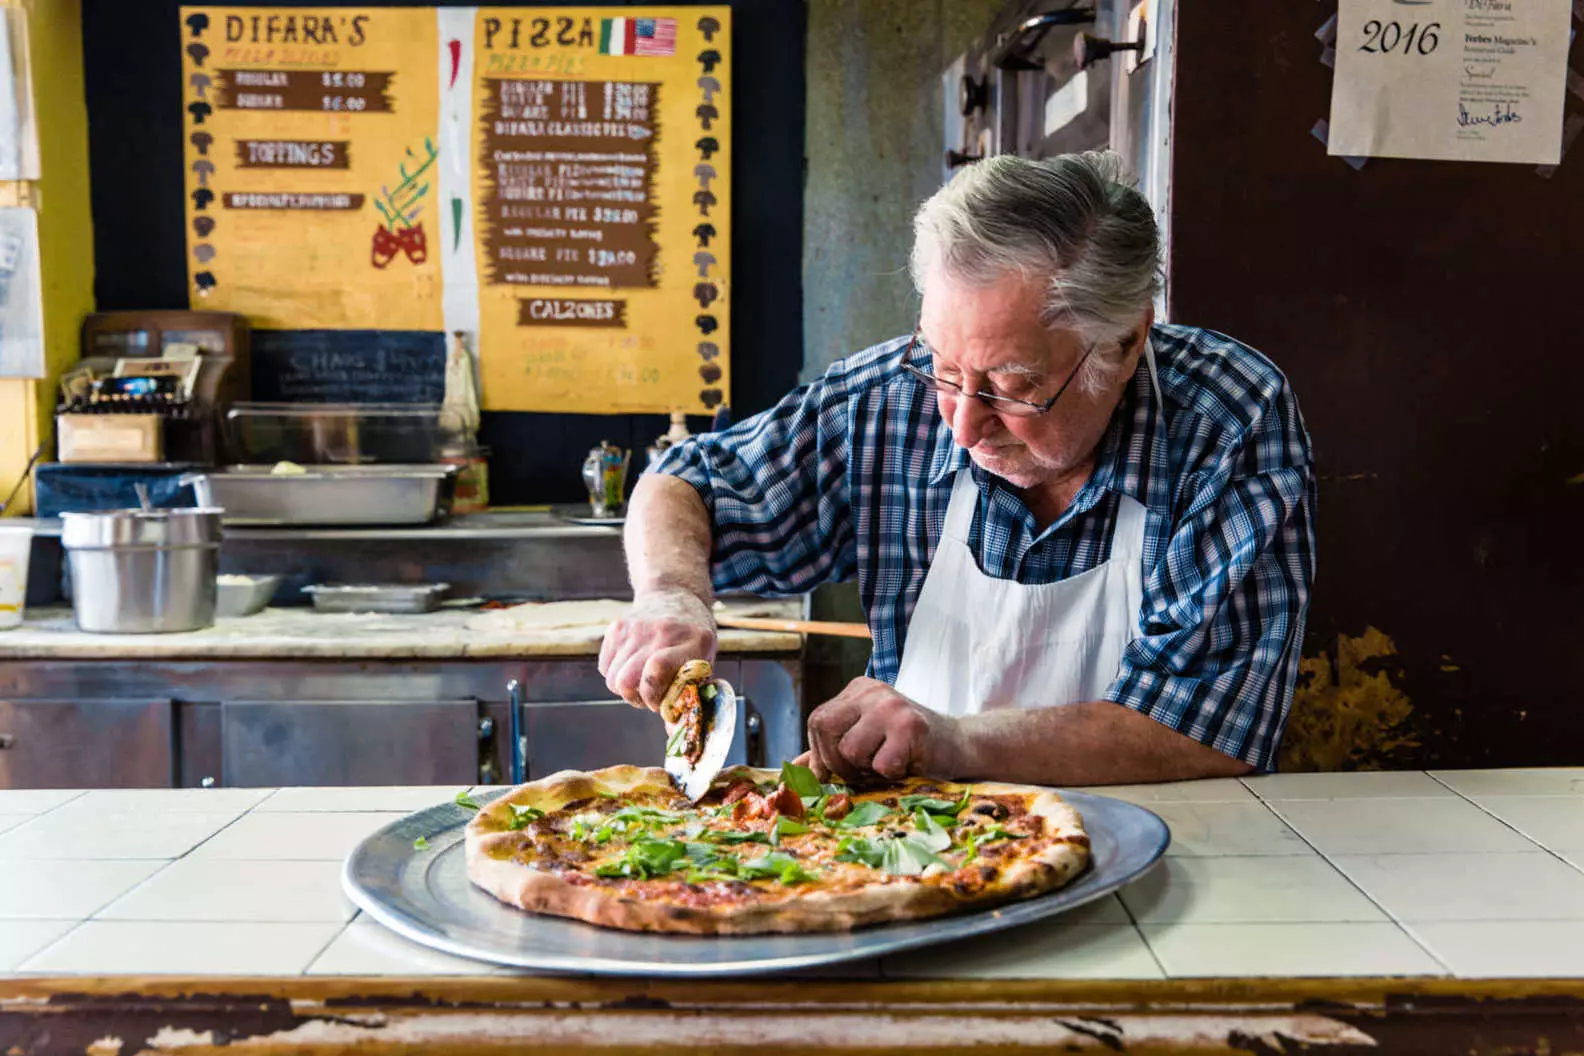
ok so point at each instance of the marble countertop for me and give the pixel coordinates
(571, 628)
(1438, 875)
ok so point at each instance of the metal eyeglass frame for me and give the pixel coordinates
(1000, 404)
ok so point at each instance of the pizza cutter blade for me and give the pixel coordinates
(720, 727)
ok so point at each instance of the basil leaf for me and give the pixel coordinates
(785, 826)
(908, 856)
(833, 790)
(859, 850)
(420, 844)
(991, 833)
(935, 837)
(949, 807)
(777, 865)
(800, 779)
(465, 800)
(707, 691)
(705, 876)
(522, 817)
(674, 744)
(869, 812)
(736, 837)
(645, 860)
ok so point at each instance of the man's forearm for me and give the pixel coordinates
(1092, 743)
(668, 538)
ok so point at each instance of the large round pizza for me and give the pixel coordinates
(767, 851)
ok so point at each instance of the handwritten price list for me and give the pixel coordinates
(318, 90)
(570, 169)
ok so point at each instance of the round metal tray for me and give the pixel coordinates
(426, 896)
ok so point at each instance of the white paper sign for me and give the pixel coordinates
(1458, 80)
(21, 296)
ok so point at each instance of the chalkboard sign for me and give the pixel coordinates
(348, 366)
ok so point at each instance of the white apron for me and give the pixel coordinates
(978, 643)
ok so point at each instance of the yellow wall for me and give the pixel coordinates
(65, 228)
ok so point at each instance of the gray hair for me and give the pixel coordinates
(1074, 220)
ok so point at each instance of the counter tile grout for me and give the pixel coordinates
(1396, 921)
(1558, 855)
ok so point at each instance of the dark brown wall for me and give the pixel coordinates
(1427, 314)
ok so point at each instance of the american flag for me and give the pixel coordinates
(638, 36)
(655, 36)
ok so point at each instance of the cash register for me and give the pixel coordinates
(145, 404)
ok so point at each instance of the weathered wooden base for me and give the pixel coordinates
(234, 1017)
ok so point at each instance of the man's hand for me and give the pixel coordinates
(648, 644)
(870, 728)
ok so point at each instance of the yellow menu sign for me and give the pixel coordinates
(555, 181)
(310, 163)
(601, 208)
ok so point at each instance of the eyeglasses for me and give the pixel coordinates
(1006, 405)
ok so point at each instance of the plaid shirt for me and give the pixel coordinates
(852, 474)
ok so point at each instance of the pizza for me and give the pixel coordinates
(682, 710)
(768, 851)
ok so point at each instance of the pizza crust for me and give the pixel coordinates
(798, 909)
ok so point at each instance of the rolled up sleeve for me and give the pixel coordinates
(1224, 610)
(775, 486)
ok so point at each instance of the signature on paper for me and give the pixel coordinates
(1501, 114)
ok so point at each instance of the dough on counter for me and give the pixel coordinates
(549, 615)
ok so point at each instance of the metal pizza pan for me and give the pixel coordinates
(425, 895)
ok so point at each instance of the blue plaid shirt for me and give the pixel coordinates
(851, 475)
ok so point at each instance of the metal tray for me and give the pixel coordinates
(376, 597)
(426, 896)
(328, 495)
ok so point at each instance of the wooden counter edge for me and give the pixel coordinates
(381, 1014)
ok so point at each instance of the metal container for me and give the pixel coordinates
(376, 597)
(244, 595)
(336, 433)
(328, 495)
(143, 571)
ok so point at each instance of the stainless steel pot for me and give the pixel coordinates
(143, 571)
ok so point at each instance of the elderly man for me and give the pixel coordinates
(1084, 541)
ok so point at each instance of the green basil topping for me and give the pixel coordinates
(933, 835)
(707, 691)
(777, 865)
(735, 837)
(800, 779)
(785, 826)
(989, 834)
(895, 855)
(951, 808)
(869, 812)
(645, 860)
(674, 744)
(465, 800)
(521, 817)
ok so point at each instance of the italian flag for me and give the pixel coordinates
(618, 36)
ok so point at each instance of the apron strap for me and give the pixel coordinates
(1149, 360)
(960, 510)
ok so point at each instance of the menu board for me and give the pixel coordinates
(310, 152)
(553, 181)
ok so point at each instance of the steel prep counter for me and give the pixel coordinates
(1381, 912)
(296, 697)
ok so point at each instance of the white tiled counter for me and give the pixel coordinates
(1426, 879)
